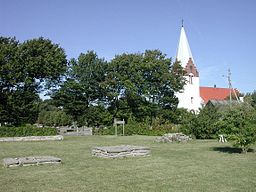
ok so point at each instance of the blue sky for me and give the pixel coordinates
(221, 33)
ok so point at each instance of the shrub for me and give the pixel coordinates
(96, 116)
(54, 118)
(201, 125)
(245, 137)
(26, 131)
(239, 124)
(135, 128)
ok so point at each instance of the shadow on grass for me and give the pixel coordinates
(230, 149)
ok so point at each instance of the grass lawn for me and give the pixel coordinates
(202, 165)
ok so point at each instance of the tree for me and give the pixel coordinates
(98, 116)
(253, 102)
(239, 124)
(71, 97)
(27, 68)
(251, 99)
(50, 115)
(44, 62)
(82, 86)
(147, 81)
(9, 75)
(206, 119)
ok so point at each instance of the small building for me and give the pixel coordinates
(221, 104)
(216, 93)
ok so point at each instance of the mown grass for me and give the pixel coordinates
(202, 165)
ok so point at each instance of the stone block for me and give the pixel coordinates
(120, 151)
(27, 161)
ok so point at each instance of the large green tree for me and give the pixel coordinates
(147, 81)
(83, 85)
(137, 85)
(26, 69)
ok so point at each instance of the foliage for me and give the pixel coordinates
(144, 82)
(27, 130)
(239, 124)
(20, 106)
(51, 115)
(54, 118)
(135, 128)
(131, 85)
(201, 125)
(251, 99)
(25, 69)
(44, 61)
(187, 121)
(253, 96)
(206, 119)
(71, 98)
(83, 85)
(96, 116)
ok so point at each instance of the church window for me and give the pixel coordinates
(190, 80)
(192, 100)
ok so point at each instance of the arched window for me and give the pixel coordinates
(190, 78)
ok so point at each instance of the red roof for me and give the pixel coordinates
(212, 93)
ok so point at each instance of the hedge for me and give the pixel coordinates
(139, 129)
(26, 131)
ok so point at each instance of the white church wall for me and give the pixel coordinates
(190, 98)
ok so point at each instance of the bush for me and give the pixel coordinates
(96, 116)
(239, 124)
(28, 130)
(135, 128)
(54, 118)
(245, 137)
(201, 125)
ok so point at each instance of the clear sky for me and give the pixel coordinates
(221, 33)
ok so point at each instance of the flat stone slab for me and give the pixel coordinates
(33, 138)
(27, 161)
(120, 151)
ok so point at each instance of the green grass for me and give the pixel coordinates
(202, 165)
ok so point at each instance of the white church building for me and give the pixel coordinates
(193, 96)
(189, 98)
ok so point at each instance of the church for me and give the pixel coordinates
(193, 96)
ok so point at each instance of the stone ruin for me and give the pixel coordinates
(75, 131)
(32, 138)
(173, 137)
(27, 161)
(120, 151)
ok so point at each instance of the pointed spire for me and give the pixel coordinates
(184, 52)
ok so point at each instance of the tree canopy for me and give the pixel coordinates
(146, 81)
(135, 85)
(25, 69)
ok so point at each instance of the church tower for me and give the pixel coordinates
(189, 97)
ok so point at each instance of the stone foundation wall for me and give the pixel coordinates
(120, 151)
(32, 138)
(27, 161)
(173, 137)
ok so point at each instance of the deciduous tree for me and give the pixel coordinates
(25, 69)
